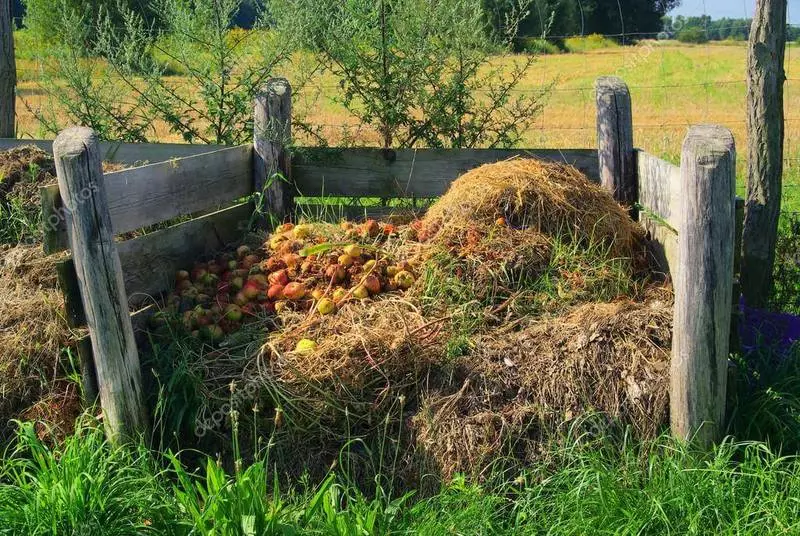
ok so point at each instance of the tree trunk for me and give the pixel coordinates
(8, 70)
(765, 132)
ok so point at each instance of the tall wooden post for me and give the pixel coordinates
(703, 284)
(8, 71)
(615, 139)
(765, 133)
(80, 181)
(271, 160)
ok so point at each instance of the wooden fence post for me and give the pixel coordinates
(272, 135)
(80, 181)
(703, 284)
(615, 139)
(8, 70)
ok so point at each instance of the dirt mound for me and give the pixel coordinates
(553, 199)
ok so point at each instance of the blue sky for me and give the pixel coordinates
(729, 8)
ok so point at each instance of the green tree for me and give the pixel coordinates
(47, 21)
(417, 71)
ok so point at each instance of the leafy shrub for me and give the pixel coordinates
(418, 72)
(534, 45)
(588, 43)
(693, 34)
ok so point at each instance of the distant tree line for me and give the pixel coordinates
(551, 17)
(703, 29)
(624, 20)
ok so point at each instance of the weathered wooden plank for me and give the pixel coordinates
(139, 321)
(54, 234)
(703, 285)
(70, 288)
(146, 195)
(80, 179)
(659, 196)
(126, 153)
(615, 139)
(408, 172)
(149, 262)
(272, 131)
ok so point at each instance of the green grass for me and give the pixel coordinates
(19, 222)
(598, 486)
(589, 43)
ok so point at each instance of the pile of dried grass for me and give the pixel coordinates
(384, 364)
(550, 198)
(610, 358)
(367, 356)
(23, 171)
(32, 328)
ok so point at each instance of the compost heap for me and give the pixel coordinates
(32, 327)
(520, 303)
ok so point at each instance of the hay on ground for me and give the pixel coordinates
(23, 170)
(551, 198)
(32, 328)
(609, 358)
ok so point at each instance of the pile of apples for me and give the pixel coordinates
(293, 270)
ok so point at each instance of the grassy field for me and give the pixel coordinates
(673, 86)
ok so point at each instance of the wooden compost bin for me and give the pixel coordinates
(688, 211)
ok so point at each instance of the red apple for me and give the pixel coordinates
(279, 278)
(275, 292)
(294, 291)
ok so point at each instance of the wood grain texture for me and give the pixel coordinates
(615, 139)
(71, 289)
(126, 153)
(147, 195)
(703, 284)
(659, 187)
(139, 321)
(272, 135)
(149, 262)
(8, 72)
(54, 228)
(765, 140)
(415, 173)
(97, 264)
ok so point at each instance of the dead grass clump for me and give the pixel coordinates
(366, 357)
(32, 327)
(502, 256)
(554, 199)
(23, 170)
(611, 358)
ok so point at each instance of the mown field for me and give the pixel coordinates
(673, 86)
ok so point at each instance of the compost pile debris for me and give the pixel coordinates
(369, 336)
(23, 170)
(32, 333)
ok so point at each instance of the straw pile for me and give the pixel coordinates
(461, 398)
(32, 328)
(23, 171)
(611, 358)
(550, 198)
